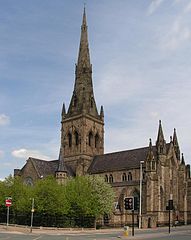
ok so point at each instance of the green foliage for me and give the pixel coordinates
(20, 193)
(50, 197)
(80, 196)
(102, 194)
(89, 195)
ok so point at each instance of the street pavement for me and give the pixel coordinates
(178, 233)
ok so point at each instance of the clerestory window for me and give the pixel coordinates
(110, 178)
(130, 176)
(106, 178)
(124, 177)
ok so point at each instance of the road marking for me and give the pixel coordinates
(37, 238)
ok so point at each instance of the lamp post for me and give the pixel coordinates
(32, 212)
(140, 202)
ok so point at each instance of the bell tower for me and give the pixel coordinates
(82, 127)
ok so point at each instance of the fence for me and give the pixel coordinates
(48, 220)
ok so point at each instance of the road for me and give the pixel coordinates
(178, 233)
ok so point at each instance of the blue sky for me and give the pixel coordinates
(140, 51)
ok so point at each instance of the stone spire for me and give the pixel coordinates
(102, 113)
(176, 145)
(84, 55)
(160, 143)
(150, 144)
(61, 164)
(151, 161)
(83, 100)
(150, 153)
(182, 161)
(63, 111)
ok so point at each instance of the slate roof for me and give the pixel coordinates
(117, 161)
(43, 167)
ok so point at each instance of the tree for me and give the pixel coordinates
(84, 196)
(89, 195)
(49, 197)
(102, 194)
(20, 193)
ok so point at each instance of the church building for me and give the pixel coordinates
(153, 174)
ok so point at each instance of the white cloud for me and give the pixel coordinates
(155, 4)
(177, 33)
(4, 120)
(26, 153)
(177, 36)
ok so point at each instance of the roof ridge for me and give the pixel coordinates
(42, 160)
(123, 151)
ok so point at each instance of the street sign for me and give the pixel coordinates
(8, 202)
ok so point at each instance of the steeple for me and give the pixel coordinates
(83, 100)
(176, 145)
(82, 127)
(161, 143)
(84, 55)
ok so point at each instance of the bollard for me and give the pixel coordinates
(126, 231)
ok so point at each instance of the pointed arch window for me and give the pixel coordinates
(69, 139)
(76, 138)
(162, 198)
(96, 141)
(106, 178)
(153, 165)
(90, 139)
(110, 178)
(130, 176)
(29, 181)
(161, 149)
(124, 177)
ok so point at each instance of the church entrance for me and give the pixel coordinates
(106, 219)
(149, 222)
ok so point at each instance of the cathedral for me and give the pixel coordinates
(153, 174)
